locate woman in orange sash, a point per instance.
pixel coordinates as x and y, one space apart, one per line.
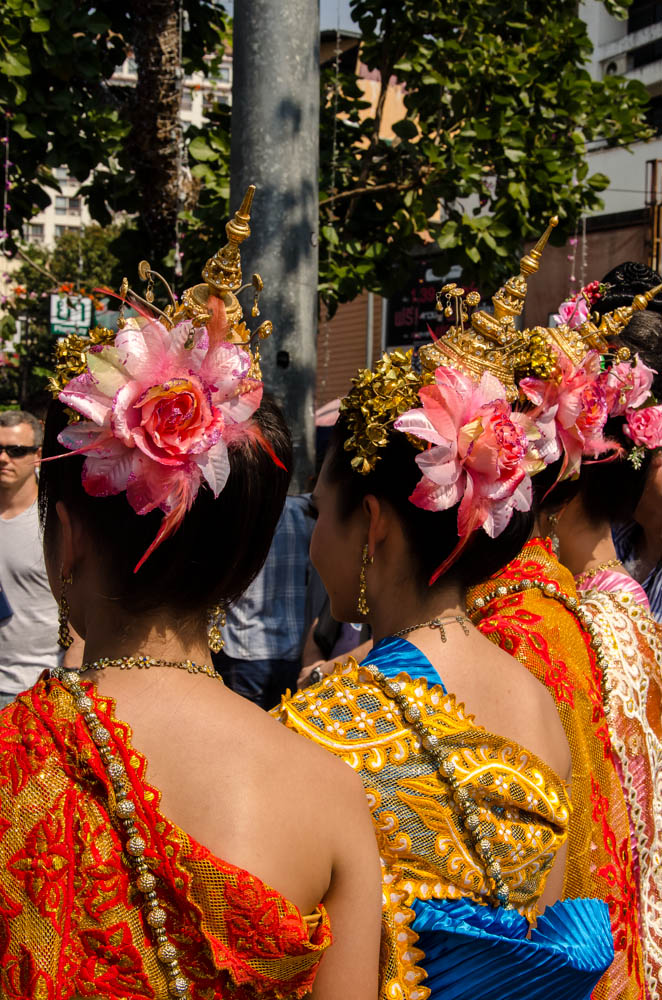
215 870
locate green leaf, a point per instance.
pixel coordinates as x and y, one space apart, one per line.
199 149
15 65
405 129
39 24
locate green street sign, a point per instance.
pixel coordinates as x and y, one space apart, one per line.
71 314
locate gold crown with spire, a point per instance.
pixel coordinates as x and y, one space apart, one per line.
222 284
492 342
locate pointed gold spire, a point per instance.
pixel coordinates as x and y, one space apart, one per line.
613 323
222 272
492 342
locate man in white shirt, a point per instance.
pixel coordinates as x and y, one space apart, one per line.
28 636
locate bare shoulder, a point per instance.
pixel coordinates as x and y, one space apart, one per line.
529 708
319 771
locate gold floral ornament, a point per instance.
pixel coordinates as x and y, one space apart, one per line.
538 359
376 401
71 355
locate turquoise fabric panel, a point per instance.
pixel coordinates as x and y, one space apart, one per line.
393 655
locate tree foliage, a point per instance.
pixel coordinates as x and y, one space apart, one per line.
56 65
77 264
500 111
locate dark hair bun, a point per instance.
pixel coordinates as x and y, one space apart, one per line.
627 280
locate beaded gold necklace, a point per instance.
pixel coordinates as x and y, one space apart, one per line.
125 808
446 769
552 591
145 662
588 574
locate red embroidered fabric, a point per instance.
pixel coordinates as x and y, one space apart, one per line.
70 920
550 641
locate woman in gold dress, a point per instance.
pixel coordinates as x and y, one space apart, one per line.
471 826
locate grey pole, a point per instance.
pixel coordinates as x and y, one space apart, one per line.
275 139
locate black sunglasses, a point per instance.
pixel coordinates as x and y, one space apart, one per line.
18 450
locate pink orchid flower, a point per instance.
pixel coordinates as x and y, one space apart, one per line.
572 313
481 453
577 403
159 417
627 386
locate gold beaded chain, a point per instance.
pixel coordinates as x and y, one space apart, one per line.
588 574
125 807
572 604
145 662
446 769
438 623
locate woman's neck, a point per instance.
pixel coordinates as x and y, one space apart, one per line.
124 636
402 610
585 544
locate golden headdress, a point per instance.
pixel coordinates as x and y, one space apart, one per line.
491 343
213 304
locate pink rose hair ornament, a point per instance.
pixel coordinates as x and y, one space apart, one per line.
164 399
480 454
628 390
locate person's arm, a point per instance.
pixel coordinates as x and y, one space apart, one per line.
311 652
327 666
350 967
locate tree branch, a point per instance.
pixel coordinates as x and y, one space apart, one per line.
392 185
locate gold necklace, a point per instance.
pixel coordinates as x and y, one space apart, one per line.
581 578
437 623
440 754
125 810
145 662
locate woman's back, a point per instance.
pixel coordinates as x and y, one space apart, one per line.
248 883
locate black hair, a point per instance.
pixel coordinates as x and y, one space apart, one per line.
642 334
220 545
432 535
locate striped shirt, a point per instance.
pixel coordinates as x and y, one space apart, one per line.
626 537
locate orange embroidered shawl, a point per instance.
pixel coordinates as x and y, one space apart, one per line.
549 640
70 919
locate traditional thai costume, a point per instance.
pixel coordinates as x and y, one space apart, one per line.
459 823
101 895
531 610
72 923
444 937
632 643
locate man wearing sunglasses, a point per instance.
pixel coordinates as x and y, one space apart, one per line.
28 635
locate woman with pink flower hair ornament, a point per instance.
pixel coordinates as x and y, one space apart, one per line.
427 486
176 878
607 493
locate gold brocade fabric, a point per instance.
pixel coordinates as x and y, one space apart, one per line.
71 922
425 849
550 641
632 641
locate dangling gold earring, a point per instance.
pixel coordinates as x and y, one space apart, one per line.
366 561
64 636
552 520
215 622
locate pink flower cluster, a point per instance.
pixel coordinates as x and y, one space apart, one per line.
628 387
572 411
159 417
481 452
